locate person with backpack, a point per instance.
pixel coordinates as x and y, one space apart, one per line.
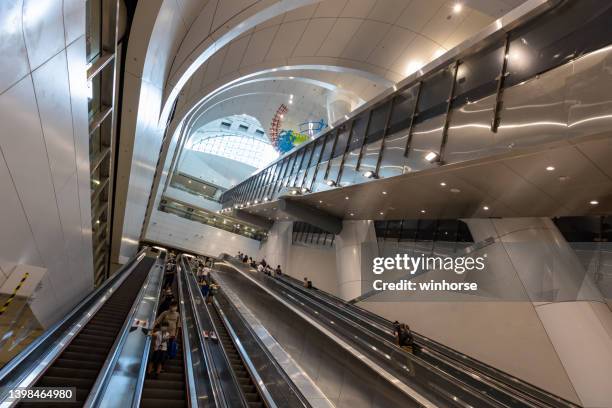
404 338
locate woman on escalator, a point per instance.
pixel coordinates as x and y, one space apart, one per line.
172 319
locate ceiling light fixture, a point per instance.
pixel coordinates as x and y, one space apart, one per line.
550 168
457 7
593 202
485 208
384 193
382 213
423 211
346 198
443 184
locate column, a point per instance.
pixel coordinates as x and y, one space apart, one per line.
356 246
277 249
569 305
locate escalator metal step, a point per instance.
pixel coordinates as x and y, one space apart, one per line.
80 363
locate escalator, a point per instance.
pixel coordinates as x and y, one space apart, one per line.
477 374
80 363
168 390
244 379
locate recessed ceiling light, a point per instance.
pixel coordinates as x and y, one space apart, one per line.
346 198
320 201
457 7
382 213
443 184
485 208
550 168
423 211
384 193
352 214
593 202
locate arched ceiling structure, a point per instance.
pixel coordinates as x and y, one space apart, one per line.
183 51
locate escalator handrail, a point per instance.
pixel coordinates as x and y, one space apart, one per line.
80 308
297 295
505 380
111 359
192 395
267 353
147 347
215 383
259 383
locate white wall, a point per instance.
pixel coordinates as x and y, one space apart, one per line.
316 263
172 230
45 216
505 335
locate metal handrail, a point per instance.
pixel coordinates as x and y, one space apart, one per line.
501 379
51 353
193 398
21 356
111 360
216 387
265 351
426 365
212 322
147 347
259 383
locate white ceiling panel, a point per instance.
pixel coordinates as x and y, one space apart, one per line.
365 40
339 37
418 13
396 40
258 46
315 33
330 8
388 11
233 58
286 39
302 13
358 8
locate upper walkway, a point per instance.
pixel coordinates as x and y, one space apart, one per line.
514 124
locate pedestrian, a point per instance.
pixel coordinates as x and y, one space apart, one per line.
160 336
172 319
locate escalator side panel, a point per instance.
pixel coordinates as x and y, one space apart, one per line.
80 363
344 379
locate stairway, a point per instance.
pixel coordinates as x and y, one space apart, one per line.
80 363
246 383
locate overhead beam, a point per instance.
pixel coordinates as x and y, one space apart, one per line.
312 216
252 219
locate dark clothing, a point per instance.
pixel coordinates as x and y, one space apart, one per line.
405 338
160 356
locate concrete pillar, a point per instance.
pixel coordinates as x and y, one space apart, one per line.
277 249
570 307
356 246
